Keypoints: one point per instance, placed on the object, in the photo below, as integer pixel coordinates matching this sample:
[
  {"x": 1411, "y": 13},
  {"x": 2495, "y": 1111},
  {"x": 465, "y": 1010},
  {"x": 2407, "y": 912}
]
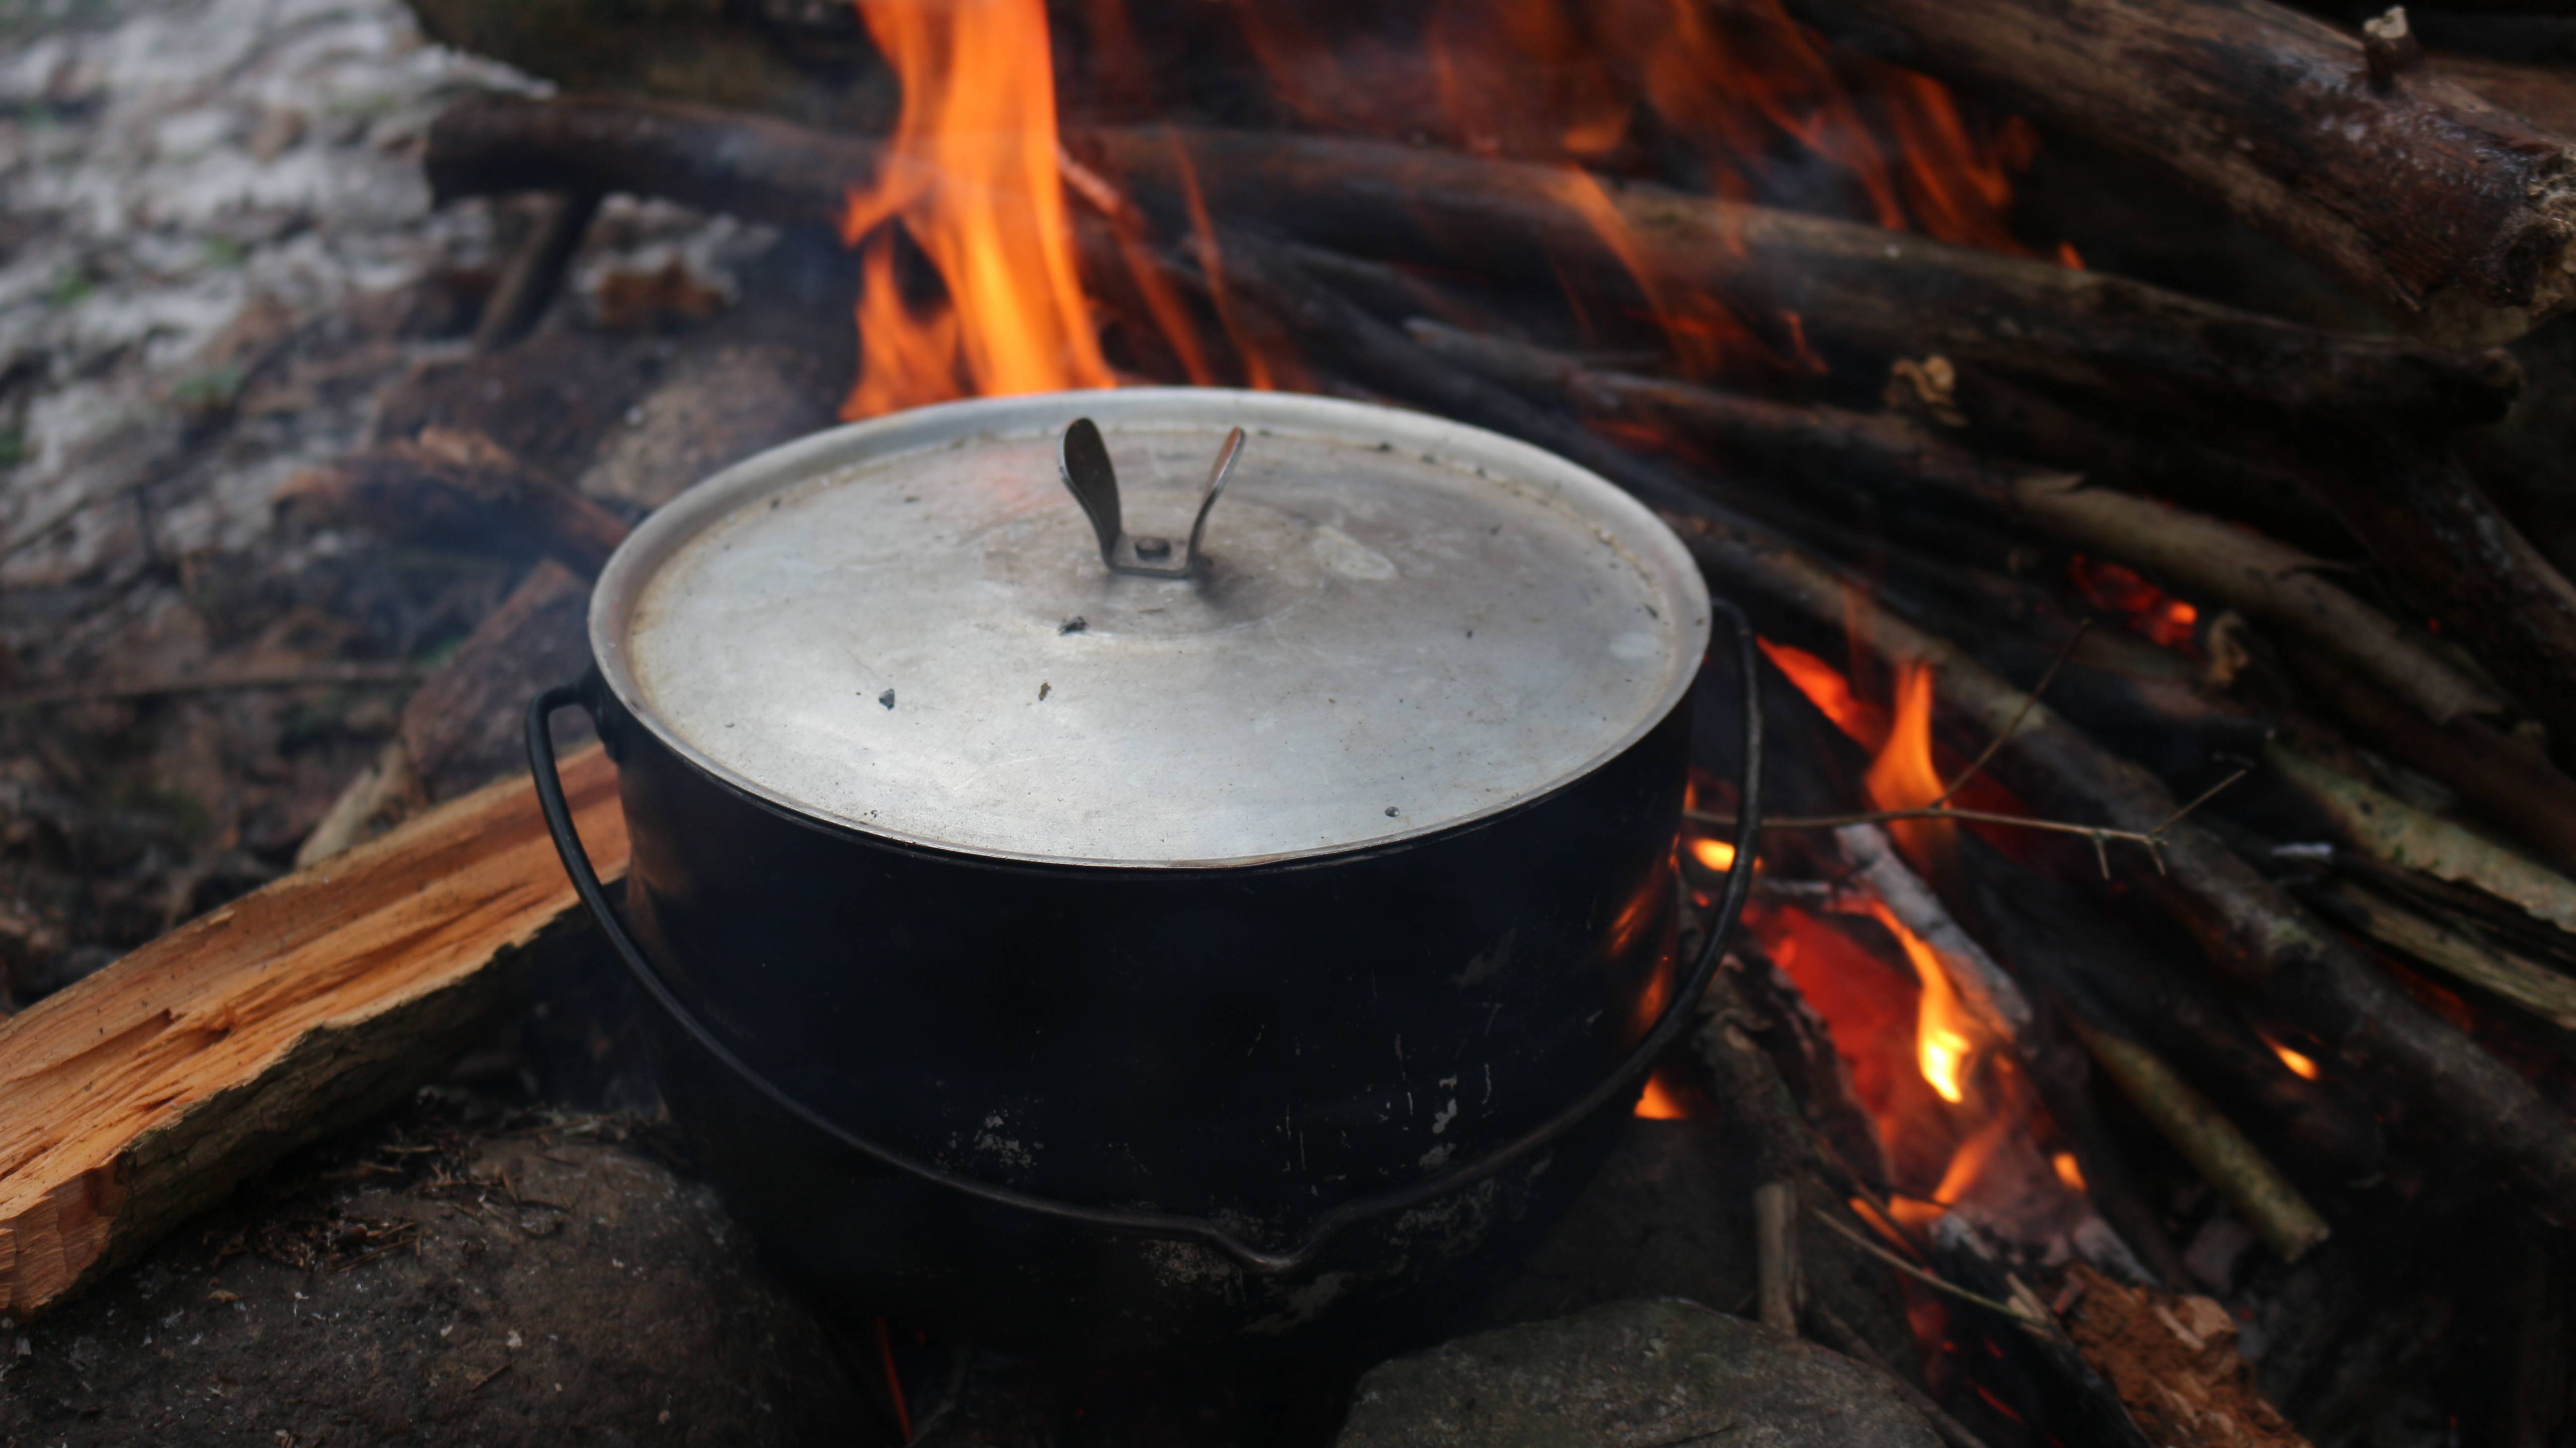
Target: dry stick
[
  {"x": 2536, "y": 988},
  {"x": 536, "y": 272},
  {"x": 2387, "y": 828},
  {"x": 2446, "y": 210},
  {"x": 2406, "y": 498},
  {"x": 2506, "y": 779},
  {"x": 1857, "y": 285},
  {"x": 2098, "y": 835},
  {"x": 2204, "y": 558},
  {"x": 2035, "y": 1326},
  {"x": 2410, "y": 500},
  {"x": 2267, "y": 1200},
  {"x": 308, "y": 676},
  {"x": 2250, "y": 928}
]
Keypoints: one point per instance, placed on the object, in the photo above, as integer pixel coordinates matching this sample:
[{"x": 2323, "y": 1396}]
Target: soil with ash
[
  {"x": 444, "y": 1276},
  {"x": 220, "y": 271}
]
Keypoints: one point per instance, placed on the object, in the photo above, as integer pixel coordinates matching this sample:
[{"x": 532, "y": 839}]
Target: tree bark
[{"x": 2455, "y": 215}]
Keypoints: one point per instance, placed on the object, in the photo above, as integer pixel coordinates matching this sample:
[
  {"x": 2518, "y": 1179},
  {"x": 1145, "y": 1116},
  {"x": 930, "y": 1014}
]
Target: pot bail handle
[
  {"x": 1623, "y": 1080},
  {"x": 1082, "y": 460}
]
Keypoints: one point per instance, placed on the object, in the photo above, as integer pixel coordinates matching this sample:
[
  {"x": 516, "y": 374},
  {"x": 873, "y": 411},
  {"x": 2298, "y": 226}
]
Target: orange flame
[
  {"x": 1715, "y": 855},
  {"x": 1945, "y": 1041},
  {"x": 1904, "y": 776},
  {"x": 971, "y": 182}
]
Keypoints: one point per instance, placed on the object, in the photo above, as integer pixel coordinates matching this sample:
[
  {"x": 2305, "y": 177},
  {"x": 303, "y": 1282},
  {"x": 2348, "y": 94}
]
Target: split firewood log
[
  {"x": 150, "y": 1089},
  {"x": 2455, "y": 215}
]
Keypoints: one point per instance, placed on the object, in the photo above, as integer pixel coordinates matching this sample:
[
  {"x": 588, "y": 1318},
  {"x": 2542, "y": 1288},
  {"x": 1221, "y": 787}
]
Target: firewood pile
[{"x": 2139, "y": 430}]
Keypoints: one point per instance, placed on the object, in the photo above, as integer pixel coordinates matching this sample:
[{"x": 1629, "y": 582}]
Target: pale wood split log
[{"x": 149, "y": 1090}]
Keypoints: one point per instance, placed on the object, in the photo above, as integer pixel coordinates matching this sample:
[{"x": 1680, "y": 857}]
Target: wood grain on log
[
  {"x": 2452, "y": 213},
  {"x": 153, "y": 1087},
  {"x": 1885, "y": 292}
]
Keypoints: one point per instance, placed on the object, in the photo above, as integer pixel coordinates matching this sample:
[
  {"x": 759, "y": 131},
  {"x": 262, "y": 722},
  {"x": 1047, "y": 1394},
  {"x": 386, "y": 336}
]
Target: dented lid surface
[{"x": 907, "y": 627}]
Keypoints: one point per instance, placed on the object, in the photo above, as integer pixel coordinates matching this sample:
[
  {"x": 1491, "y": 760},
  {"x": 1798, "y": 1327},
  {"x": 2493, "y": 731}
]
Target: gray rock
[
  {"x": 427, "y": 1282},
  {"x": 1637, "y": 1374}
]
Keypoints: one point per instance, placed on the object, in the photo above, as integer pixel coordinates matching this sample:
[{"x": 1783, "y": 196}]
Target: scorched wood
[
  {"x": 1859, "y": 286},
  {"x": 147, "y": 1091},
  {"x": 2449, "y": 211}
]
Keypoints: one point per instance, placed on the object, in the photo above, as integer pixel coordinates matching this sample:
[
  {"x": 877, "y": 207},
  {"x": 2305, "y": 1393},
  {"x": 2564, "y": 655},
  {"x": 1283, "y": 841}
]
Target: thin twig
[
  {"x": 2029, "y": 702},
  {"x": 2149, "y": 840},
  {"x": 92, "y": 692},
  {"x": 1937, "y": 1284}
]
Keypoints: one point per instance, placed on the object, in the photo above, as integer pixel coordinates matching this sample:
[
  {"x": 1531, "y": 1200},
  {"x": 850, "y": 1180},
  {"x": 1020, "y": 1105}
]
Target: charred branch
[
  {"x": 2449, "y": 211},
  {"x": 2246, "y": 924},
  {"x": 1857, "y": 286}
]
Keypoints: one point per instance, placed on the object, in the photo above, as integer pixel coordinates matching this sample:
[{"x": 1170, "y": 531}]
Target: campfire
[{"x": 2133, "y": 429}]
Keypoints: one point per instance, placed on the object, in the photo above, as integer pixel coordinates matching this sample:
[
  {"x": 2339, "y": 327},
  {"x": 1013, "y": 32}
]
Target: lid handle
[{"x": 1088, "y": 475}]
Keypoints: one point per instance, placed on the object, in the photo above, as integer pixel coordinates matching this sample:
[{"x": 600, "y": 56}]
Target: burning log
[
  {"x": 1886, "y": 293},
  {"x": 2404, "y": 185},
  {"x": 2250, "y": 927},
  {"x": 1860, "y": 286},
  {"x": 2097, "y": 970},
  {"x": 152, "y": 1088}
]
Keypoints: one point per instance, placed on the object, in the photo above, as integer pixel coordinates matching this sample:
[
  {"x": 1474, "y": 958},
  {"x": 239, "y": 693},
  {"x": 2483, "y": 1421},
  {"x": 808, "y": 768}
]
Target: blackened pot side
[{"x": 1261, "y": 1043}]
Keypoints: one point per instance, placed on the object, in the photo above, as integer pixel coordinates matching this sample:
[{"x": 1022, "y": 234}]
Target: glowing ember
[
  {"x": 1715, "y": 855},
  {"x": 1659, "y": 1103},
  {"x": 2147, "y": 608},
  {"x": 971, "y": 183},
  {"x": 2068, "y": 1170},
  {"x": 2301, "y": 1066}
]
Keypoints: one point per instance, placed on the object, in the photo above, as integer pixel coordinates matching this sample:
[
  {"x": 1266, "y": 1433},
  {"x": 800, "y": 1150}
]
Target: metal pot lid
[{"x": 911, "y": 627}]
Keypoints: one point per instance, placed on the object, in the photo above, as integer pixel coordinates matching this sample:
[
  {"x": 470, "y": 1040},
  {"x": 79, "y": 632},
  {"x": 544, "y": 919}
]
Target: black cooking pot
[{"x": 1070, "y": 937}]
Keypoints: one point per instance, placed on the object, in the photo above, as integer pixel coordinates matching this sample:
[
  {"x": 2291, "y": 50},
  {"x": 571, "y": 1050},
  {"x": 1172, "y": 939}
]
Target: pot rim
[{"x": 634, "y": 564}]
